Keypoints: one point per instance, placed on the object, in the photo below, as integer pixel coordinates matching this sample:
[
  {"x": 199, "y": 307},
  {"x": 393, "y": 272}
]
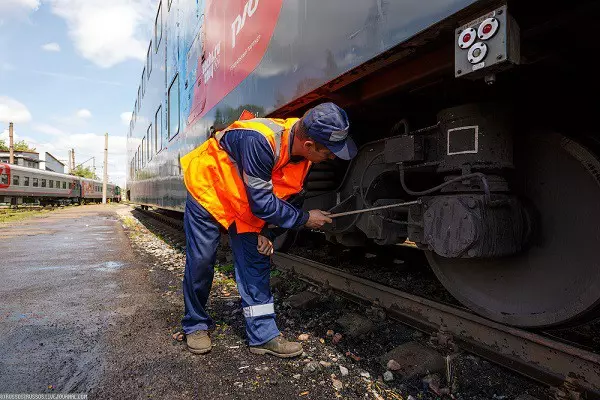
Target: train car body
[
  {"x": 474, "y": 111},
  {"x": 209, "y": 60},
  {"x": 18, "y": 184}
]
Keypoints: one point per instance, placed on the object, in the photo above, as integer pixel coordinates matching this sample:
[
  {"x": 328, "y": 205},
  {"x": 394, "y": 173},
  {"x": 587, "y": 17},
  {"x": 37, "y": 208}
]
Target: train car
[
  {"x": 23, "y": 184},
  {"x": 91, "y": 191},
  {"x": 47, "y": 187},
  {"x": 477, "y": 114}
]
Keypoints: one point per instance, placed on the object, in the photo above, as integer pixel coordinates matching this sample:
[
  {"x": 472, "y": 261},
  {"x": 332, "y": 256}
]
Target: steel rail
[{"x": 527, "y": 353}]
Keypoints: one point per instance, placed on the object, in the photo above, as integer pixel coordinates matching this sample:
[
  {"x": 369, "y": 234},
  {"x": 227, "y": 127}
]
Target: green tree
[
  {"x": 3, "y": 146},
  {"x": 22, "y": 145},
  {"x": 84, "y": 172}
]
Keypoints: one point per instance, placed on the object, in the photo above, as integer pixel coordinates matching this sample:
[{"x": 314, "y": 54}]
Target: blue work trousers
[{"x": 252, "y": 273}]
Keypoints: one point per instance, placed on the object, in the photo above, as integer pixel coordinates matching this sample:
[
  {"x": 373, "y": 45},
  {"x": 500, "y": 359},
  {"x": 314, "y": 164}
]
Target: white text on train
[{"x": 240, "y": 20}]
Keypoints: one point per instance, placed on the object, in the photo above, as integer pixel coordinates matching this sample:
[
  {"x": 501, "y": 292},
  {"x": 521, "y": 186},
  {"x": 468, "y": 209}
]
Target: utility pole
[
  {"x": 11, "y": 159},
  {"x": 73, "y": 159},
  {"x": 69, "y": 163},
  {"x": 105, "y": 180},
  {"x": 94, "y": 166}
]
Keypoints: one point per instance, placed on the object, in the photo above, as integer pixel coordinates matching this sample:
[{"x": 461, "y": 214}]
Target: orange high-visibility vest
[{"x": 213, "y": 178}]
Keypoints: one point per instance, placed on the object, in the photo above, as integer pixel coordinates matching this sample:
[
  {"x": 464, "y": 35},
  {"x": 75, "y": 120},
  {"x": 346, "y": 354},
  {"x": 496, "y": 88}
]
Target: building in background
[
  {"x": 44, "y": 160},
  {"x": 50, "y": 163},
  {"x": 23, "y": 158}
]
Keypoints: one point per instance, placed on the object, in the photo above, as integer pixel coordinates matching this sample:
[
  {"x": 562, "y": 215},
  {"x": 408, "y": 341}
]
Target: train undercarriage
[{"x": 504, "y": 169}]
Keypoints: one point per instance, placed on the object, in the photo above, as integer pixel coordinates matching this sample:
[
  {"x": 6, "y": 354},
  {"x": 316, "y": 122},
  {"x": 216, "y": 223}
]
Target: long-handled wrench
[{"x": 365, "y": 210}]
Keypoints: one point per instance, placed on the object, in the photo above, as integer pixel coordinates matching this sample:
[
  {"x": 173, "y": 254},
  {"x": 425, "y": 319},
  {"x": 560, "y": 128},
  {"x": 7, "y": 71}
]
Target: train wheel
[{"x": 557, "y": 280}]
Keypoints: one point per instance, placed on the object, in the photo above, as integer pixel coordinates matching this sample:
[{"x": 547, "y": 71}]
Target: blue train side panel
[{"x": 210, "y": 59}]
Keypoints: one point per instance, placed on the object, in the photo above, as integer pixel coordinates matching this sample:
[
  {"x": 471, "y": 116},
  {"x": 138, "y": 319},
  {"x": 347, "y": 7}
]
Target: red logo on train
[
  {"x": 235, "y": 37},
  {"x": 4, "y": 170}
]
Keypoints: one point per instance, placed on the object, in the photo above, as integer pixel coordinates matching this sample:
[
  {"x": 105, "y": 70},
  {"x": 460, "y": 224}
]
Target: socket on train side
[{"x": 487, "y": 45}]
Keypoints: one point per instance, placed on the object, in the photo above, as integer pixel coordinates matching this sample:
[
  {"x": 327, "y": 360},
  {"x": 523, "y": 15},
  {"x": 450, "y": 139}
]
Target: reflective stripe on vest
[
  {"x": 276, "y": 128},
  {"x": 257, "y": 183}
]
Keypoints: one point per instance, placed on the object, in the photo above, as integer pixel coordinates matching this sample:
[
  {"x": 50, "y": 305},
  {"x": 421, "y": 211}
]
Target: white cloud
[
  {"x": 108, "y": 32},
  {"x": 13, "y": 111},
  {"x": 48, "y": 129},
  {"x": 126, "y": 117},
  {"x": 83, "y": 113},
  {"x": 5, "y": 66},
  {"x": 86, "y": 145},
  {"x": 51, "y": 46},
  {"x": 17, "y": 8}
]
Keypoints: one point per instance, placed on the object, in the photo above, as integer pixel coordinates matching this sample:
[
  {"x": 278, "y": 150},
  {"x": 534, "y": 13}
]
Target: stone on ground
[
  {"x": 414, "y": 359},
  {"x": 355, "y": 325},
  {"x": 302, "y": 300}
]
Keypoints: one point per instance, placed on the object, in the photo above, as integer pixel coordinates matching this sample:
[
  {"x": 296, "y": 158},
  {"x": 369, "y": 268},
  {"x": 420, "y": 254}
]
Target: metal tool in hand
[{"x": 365, "y": 210}]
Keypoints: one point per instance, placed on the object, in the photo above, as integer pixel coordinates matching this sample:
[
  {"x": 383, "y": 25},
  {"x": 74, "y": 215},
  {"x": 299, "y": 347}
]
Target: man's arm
[{"x": 256, "y": 166}]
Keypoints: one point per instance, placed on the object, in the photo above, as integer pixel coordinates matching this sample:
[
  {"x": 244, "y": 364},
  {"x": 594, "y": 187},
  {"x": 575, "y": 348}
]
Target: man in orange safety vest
[{"x": 240, "y": 180}]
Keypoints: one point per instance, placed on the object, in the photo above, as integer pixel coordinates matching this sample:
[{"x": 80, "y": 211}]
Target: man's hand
[
  {"x": 265, "y": 246},
  {"x": 317, "y": 218}
]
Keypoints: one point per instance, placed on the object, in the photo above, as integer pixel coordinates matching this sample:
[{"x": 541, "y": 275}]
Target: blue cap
[{"x": 328, "y": 124}]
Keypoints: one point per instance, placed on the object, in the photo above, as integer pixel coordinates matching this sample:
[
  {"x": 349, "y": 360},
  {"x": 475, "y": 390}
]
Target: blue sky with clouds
[{"x": 69, "y": 71}]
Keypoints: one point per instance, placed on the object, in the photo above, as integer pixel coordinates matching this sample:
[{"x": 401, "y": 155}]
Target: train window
[
  {"x": 149, "y": 60},
  {"x": 71, "y": 185},
  {"x": 143, "y": 151},
  {"x": 64, "y": 185},
  {"x": 25, "y": 181},
  {"x": 16, "y": 180},
  {"x": 51, "y": 183},
  {"x": 143, "y": 85},
  {"x": 149, "y": 150},
  {"x": 158, "y": 27},
  {"x": 35, "y": 182},
  {"x": 158, "y": 130},
  {"x": 173, "y": 108},
  {"x": 43, "y": 183},
  {"x": 3, "y": 178}
]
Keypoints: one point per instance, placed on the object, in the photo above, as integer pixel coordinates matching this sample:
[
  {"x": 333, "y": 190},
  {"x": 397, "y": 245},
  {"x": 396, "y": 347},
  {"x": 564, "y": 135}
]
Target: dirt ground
[{"x": 92, "y": 303}]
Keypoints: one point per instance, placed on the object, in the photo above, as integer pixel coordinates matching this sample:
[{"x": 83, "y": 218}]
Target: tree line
[{"x": 21, "y": 145}]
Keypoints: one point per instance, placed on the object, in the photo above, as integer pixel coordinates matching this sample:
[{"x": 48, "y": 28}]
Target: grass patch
[
  {"x": 224, "y": 268},
  {"x": 8, "y": 215},
  {"x": 129, "y": 222},
  {"x": 275, "y": 272}
]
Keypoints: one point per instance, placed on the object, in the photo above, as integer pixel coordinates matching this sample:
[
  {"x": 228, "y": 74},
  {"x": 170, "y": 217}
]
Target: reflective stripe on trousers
[{"x": 252, "y": 274}]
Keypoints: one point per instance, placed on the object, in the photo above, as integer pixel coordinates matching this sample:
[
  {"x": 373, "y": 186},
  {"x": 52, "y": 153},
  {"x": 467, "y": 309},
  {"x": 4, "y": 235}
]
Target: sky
[{"x": 69, "y": 72}]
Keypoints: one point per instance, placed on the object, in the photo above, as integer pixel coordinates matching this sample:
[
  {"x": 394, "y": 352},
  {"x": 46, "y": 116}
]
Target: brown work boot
[
  {"x": 199, "y": 342},
  {"x": 278, "y": 347}
]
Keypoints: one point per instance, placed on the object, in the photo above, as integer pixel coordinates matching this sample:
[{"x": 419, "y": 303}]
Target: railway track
[{"x": 574, "y": 372}]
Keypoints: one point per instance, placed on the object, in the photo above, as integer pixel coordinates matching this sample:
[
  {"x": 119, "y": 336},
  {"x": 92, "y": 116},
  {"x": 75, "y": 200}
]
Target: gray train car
[
  {"x": 25, "y": 185},
  {"x": 478, "y": 112}
]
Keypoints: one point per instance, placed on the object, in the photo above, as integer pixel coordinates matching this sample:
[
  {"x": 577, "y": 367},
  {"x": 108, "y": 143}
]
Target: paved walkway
[{"x": 59, "y": 295}]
